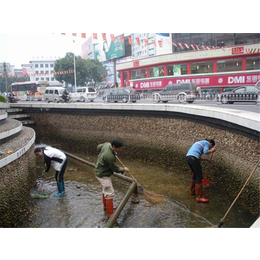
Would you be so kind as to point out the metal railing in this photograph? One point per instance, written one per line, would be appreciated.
(124, 98)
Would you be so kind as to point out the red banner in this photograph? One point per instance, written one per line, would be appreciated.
(201, 81)
(130, 40)
(104, 35)
(122, 38)
(112, 36)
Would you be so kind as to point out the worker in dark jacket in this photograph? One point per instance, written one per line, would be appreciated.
(193, 159)
(105, 167)
(58, 160)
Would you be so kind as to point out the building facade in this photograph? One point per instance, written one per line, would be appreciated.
(212, 61)
(41, 70)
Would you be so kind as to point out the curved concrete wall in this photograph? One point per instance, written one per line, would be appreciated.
(161, 141)
(17, 170)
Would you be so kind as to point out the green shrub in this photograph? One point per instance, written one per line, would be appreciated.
(2, 99)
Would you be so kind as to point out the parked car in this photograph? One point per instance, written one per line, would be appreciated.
(83, 94)
(241, 94)
(121, 95)
(53, 94)
(183, 92)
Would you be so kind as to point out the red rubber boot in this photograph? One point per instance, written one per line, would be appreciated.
(192, 188)
(109, 208)
(104, 201)
(199, 194)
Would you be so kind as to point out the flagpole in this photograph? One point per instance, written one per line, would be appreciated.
(75, 76)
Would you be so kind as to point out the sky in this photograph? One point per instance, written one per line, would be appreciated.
(18, 49)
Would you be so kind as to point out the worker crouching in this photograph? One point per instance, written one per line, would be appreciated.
(105, 167)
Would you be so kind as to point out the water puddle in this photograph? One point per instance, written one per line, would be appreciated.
(82, 205)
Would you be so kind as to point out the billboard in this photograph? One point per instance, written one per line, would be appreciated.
(164, 41)
(107, 47)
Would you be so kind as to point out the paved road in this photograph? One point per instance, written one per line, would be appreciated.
(252, 107)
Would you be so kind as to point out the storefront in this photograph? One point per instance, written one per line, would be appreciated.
(210, 68)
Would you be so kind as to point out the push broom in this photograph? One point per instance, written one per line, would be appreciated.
(150, 196)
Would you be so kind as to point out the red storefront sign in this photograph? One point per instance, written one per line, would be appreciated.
(237, 50)
(205, 81)
(136, 63)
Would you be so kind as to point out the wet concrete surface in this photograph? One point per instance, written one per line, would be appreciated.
(82, 205)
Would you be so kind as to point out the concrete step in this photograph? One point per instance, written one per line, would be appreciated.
(9, 128)
(14, 110)
(19, 116)
(27, 122)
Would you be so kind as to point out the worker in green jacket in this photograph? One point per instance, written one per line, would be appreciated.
(105, 167)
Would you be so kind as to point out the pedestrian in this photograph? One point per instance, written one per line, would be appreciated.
(105, 167)
(193, 159)
(58, 160)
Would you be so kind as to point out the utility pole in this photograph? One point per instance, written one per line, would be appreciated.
(75, 77)
(115, 76)
(5, 73)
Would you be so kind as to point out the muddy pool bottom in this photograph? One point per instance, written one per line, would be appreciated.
(82, 206)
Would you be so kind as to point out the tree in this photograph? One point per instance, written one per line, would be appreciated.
(86, 70)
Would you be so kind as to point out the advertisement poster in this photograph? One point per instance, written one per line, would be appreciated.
(107, 48)
(164, 41)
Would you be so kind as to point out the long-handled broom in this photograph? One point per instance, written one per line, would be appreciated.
(150, 196)
(220, 224)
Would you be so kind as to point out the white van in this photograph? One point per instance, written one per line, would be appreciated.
(83, 94)
(53, 94)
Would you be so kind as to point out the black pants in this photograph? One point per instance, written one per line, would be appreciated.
(59, 174)
(195, 166)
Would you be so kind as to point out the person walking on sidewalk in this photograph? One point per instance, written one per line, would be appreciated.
(58, 160)
(105, 167)
(193, 159)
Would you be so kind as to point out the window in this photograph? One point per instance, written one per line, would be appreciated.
(56, 92)
(240, 90)
(229, 65)
(156, 71)
(46, 65)
(202, 67)
(51, 91)
(91, 90)
(47, 91)
(251, 89)
(52, 79)
(36, 66)
(51, 65)
(47, 79)
(42, 78)
(138, 74)
(177, 69)
(41, 65)
(253, 63)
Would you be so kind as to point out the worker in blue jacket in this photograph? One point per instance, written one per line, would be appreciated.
(193, 159)
(58, 160)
